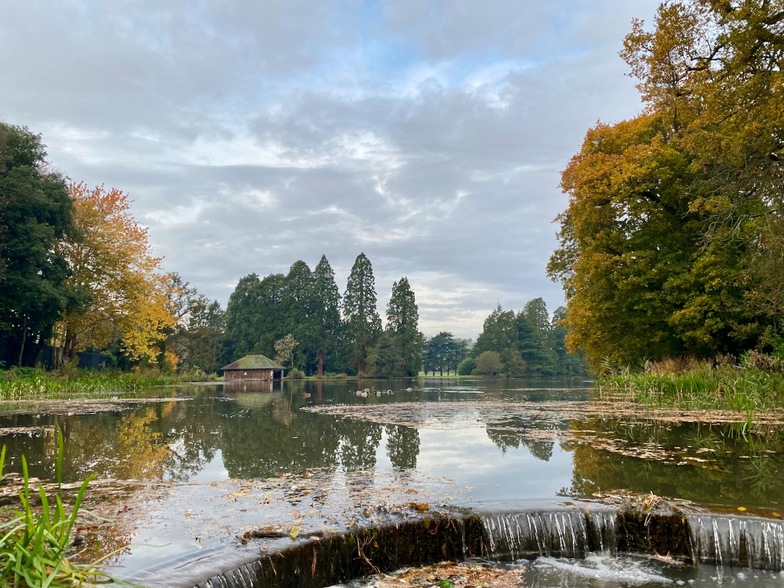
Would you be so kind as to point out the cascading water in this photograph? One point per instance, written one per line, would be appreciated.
(568, 533)
(747, 542)
(559, 547)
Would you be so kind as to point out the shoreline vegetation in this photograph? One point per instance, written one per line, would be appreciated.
(753, 383)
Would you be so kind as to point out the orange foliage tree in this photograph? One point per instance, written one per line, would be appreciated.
(119, 290)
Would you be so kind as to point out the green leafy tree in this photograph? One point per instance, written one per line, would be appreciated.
(489, 363)
(242, 318)
(443, 352)
(300, 321)
(500, 335)
(363, 323)
(35, 213)
(403, 326)
(326, 305)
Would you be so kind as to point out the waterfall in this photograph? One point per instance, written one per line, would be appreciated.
(588, 535)
(564, 533)
(737, 541)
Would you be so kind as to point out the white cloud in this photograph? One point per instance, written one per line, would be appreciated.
(429, 136)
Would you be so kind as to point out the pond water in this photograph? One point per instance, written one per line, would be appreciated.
(185, 473)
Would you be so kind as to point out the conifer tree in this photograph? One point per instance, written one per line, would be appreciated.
(363, 323)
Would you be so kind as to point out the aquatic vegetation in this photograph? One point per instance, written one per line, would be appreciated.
(35, 543)
(27, 383)
(743, 387)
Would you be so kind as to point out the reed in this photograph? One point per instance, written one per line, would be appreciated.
(749, 385)
(21, 384)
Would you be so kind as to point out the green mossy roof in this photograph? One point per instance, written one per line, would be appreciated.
(254, 362)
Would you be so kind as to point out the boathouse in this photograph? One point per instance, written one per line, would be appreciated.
(253, 368)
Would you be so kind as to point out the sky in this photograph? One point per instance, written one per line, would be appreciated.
(249, 134)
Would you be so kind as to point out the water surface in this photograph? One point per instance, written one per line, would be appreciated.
(189, 472)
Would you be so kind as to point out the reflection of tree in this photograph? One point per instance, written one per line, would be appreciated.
(151, 441)
(506, 438)
(139, 451)
(702, 463)
(514, 431)
(358, 444)
(402, 446)
(262, 440)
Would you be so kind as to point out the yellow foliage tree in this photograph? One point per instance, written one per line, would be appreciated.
(118, 289)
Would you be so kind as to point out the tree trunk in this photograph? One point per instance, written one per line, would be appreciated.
(320, 363)
(22, 342)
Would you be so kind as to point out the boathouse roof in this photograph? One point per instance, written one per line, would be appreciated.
(254, 362)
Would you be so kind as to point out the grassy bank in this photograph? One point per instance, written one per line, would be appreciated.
(26, 383)
(753, 383)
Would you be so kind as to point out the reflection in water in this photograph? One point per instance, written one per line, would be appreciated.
(498, 440)
(706, 464)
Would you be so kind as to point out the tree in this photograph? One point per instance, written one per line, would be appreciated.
(536, 338)
(403, 325)
(300, 313)
(489, 363)
(120, 288)
(326, 305)
(443, 352)
(35, 213)
(363, 323)
(284, 350)
(242, 318)
(500, 335)
(198, 336)
(674, 216)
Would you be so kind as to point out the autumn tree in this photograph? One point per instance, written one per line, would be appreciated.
(121, 291)
(363, 323)
(674, 220)
(35, 214)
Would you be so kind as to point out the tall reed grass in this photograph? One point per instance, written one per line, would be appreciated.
(26, 383)
(753, 383)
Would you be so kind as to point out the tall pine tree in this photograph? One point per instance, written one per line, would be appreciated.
(363, 323)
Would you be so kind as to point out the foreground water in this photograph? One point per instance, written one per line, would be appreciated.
(188, 475)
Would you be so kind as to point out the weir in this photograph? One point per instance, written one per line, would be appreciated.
(708, 539)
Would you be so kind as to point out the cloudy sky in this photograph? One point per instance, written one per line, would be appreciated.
(428, 134)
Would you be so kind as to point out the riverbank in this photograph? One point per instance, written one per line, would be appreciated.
(31, 384)
(754, 383)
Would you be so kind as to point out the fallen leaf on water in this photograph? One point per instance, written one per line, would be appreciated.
(294, 533)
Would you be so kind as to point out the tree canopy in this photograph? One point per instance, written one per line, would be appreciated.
(674, 229)
(35, 213)
(120, 289)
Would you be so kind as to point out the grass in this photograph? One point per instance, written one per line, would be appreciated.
(755, 383)
(34, 544)
(27, 383)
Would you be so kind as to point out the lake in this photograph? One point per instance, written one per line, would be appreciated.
(187, 473)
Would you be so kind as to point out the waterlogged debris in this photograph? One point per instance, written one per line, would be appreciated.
(448, 575)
